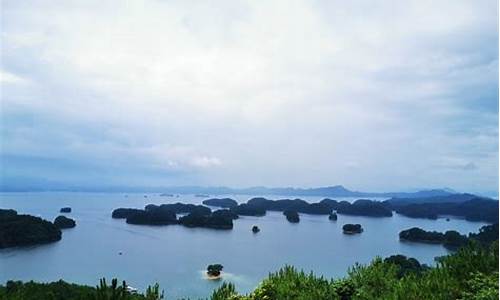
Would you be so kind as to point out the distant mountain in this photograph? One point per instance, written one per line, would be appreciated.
(452, 198)
(330, 191)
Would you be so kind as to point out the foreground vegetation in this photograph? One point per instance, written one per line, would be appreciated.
(470, 273)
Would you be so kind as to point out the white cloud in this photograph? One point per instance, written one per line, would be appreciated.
(246, 93)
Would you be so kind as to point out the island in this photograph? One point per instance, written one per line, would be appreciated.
(153, 217)
(332, 217)
(63, 222)
(166, 195)
(221, 202)
(450, 239)
(25, 230)
(65, 210)
(352, 228)
(330, 203)
(475, 209)
(249, 210)
(166, 214)
(363, 207)
(225, 213)
(292, 216)
(181, 208)
(255, 229)
(123, 213)
(214, 221)
(214, 271)
(297, 205)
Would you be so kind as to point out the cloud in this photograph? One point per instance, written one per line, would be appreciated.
(205, 162)
(370, 95)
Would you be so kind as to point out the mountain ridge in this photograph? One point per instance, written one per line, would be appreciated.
(325, 191)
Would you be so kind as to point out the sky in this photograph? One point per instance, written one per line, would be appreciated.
(373, 95)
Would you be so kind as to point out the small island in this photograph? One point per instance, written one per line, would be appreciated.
(63, 222)
(475, 209)
(225, 213)
(217, 220)
(181, 208)
(214, 271)
(450, 239)
(332, 217)
(25, 230)
(152, 217)
(255, 229)
(65, 210)
(221, 202)
(298, 205)
(352, 228)
(249, 210)
(292, 216)
(363, 207)
(123, 213)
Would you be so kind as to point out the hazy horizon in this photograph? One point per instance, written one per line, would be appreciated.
(383, 96)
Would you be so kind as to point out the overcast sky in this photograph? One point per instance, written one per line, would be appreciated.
(374, 95)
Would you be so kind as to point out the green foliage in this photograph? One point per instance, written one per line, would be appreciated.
(60, 290)
(153, 292)
(24, 230)
(374, 280)
(214, 270)
(481, 287)
(113, 292)
(227, 291)
(405, 265)
(487, 234)
(288, 283)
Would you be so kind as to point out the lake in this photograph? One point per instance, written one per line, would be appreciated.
(176, 256)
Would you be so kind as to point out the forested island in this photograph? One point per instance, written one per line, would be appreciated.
(214, 271)
(476, 209)
(464, 205)
(364, 207)
(292, 216)
(216, 220)
(221, 202)
(166, 214)
(450, 239)
(469, 273)
(65, 210)
(352, 228)
(298, 205)
(25, 230)
(63, 222)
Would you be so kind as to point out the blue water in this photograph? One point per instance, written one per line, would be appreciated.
(175, 256)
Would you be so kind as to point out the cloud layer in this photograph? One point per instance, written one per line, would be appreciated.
(383, 95)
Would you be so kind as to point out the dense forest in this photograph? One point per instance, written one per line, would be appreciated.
(476, 209)
(471, 273)
(25, 230)
(221, 202)
(449, 239)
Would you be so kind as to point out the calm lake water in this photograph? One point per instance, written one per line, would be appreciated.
(176, 256)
